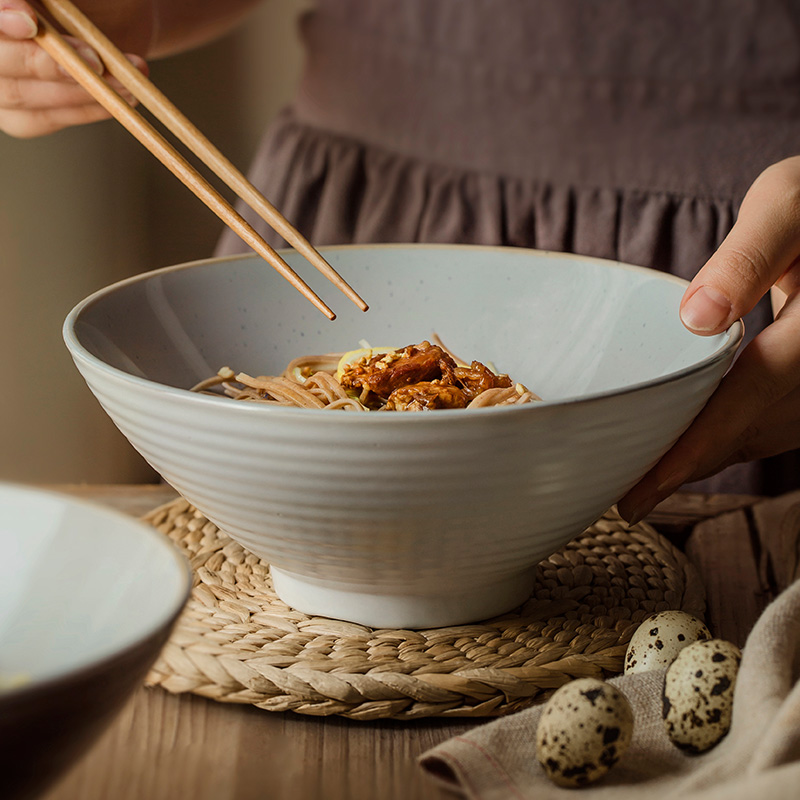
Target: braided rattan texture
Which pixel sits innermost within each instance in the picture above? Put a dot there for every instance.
(236, 642)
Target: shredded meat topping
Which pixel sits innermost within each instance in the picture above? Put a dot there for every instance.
(478, 378)
(420, 376)
(382, 374)
(424, 396)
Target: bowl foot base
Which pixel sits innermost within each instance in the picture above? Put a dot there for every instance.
(395, 610)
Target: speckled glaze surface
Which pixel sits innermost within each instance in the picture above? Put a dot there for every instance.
(89, 597)
(415, 519)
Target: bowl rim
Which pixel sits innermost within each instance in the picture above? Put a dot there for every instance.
(163, 622)
(734, 336)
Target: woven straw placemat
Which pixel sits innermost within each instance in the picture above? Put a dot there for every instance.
(236, 642)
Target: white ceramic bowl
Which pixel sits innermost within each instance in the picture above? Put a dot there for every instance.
(403, 519)
(88, 598)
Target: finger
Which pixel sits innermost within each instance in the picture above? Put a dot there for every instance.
(761, 247)
(28, 60)
(776, 431)
(37, 95)
(41, 95)
(29, 124)
(728, 428)
(17, 20)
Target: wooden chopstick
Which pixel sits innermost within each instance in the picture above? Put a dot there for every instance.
(142, 89)
(76, 23)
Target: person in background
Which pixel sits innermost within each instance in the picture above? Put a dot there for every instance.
(662, 134)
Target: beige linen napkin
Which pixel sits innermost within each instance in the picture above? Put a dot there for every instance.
(758, 760)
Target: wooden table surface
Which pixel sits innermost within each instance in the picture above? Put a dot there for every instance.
(168, 747)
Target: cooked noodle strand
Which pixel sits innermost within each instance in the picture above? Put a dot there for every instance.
(311, 382)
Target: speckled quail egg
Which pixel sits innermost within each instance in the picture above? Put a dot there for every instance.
(584, 729)
(657, 641)
(698, 694)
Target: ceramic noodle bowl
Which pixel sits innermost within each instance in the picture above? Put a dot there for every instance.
(90, 596)
(401, 519)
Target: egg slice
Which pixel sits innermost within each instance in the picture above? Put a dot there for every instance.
(360, 354)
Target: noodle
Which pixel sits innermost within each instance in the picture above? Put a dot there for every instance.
(374, 379)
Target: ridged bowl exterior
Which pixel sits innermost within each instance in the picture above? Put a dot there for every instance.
(399, 505)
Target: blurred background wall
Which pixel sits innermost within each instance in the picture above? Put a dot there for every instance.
(86, 207)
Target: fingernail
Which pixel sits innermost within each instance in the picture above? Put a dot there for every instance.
(706, 310)
(637, 510)
(137, 61)
(17, 25)
(90, 57)
(666, 486)
(636, 515)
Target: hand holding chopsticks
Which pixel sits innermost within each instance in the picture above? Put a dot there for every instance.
(72, 20)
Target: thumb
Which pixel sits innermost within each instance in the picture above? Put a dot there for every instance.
(762, 246)
(17, 20)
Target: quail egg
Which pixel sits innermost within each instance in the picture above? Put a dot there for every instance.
(583, 731)
(698, 694)
(657, 641)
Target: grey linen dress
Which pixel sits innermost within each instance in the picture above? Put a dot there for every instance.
(623, 129)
